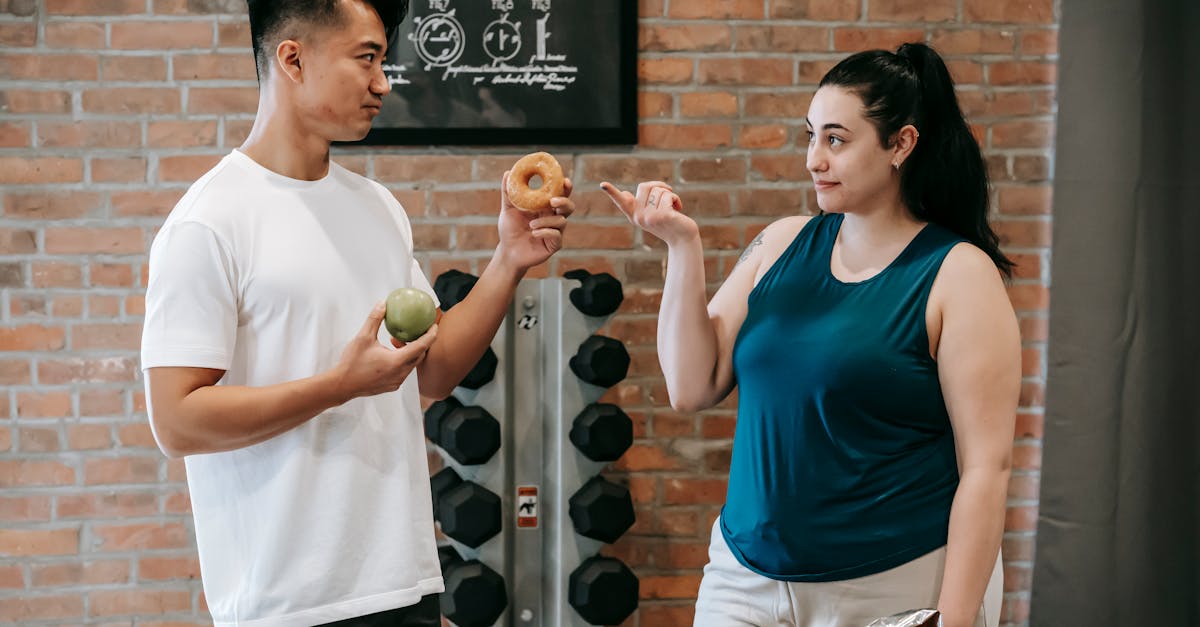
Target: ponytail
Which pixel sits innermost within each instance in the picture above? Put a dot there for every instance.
(944, 180)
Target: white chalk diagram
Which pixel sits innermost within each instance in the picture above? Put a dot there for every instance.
(440, 41)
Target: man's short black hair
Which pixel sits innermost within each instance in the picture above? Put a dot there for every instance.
(272, 21)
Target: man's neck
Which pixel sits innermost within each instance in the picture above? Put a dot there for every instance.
(277, 143)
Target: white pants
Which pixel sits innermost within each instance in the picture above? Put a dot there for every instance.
(733, 596)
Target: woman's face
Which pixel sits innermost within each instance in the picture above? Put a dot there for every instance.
(850, 168)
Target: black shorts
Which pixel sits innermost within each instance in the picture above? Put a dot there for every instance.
(426, 613)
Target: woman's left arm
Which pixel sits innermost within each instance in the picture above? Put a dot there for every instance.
(979, 366)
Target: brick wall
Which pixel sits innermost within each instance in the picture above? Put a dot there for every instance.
(110, 108)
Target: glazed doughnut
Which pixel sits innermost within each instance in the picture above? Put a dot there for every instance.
(541, 164)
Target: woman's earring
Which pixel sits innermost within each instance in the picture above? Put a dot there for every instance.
(896, 166)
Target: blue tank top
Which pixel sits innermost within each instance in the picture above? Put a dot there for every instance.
(843, 458)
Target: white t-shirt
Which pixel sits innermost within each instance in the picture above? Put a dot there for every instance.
(267, 278)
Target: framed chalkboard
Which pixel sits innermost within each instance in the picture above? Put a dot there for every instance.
(513, 72)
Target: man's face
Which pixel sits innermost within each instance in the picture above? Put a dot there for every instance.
(343, 83)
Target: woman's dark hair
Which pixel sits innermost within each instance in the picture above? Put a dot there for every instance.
(271, 21)
(944, 180)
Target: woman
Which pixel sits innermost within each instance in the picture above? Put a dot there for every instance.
(878, 364)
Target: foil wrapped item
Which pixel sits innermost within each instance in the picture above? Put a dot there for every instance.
(911, 618)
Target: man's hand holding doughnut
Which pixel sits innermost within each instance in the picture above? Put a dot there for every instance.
(532, 232)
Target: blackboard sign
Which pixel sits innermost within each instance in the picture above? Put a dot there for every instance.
(516, 72)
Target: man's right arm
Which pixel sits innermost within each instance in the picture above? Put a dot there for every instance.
(191, 414)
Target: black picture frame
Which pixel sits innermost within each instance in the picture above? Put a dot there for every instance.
(518, 110)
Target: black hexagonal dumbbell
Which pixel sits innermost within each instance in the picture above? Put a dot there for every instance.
(469, 434)
(475, 595)
(601, 361)
(483, 371)
(467, 511)
(603, 590)
(452, 286)
(602, 432)
(601, 510)
(598, 294)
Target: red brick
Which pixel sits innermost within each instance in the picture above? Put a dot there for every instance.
(411, 168)
(730, 169)
(664, 71)
(15, 135)
(1026, 457)
(855, 39)
(1021, 518)
(769, 202)
(134, 69)
(89, 134)
(236, 131)
(88, 437)
(156, 35)
(204, 100)
(761, 136)
(181, 133)
(233, 34)
(186, 168)
(107, 336)
(1025, 12)
(95, 7)
(1022, 73)
(654, 105)
(73, 370)
(121, 470)
(67, 35)
(112, 241)
(44, 404)
(707, 104)
(693, 491)
(31, 337)
(778, 105)
(744, 71)
(626, 169)
(18, 35)
(56, 274)
(24, 542)
(815, 10)
(687, 37)
(119, 170)
(667, 615)
(1026, 200)
(1023, 487)
(48, 67)
(52, 205)
(911, 11)
(776, 38)
(685, 136)
(190, 67)
(1023, 233)
(37, 608)
(780, 167)
(145, 203)
(136, 435)
(1039, 42)
(140, 537)
(642, 457)
(1029, 425)
(19, 101)
(24, 509)
(131, 100)
(811, 72)
(101, 402)
(91, 573)
(107, 505)
(12, 577)
(973, 41)
(137, 602)
(165, 568)
(37, 440)
(669, 587)
(466, 203)
(717, 9)
(40, 170)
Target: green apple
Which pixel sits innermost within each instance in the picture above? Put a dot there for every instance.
(410, 313)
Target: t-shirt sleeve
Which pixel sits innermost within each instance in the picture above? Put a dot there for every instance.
(191, 300)
(417, 278)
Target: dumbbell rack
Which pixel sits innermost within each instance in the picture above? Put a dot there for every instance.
(535, 395)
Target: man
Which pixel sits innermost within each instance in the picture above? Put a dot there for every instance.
(301, 429)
